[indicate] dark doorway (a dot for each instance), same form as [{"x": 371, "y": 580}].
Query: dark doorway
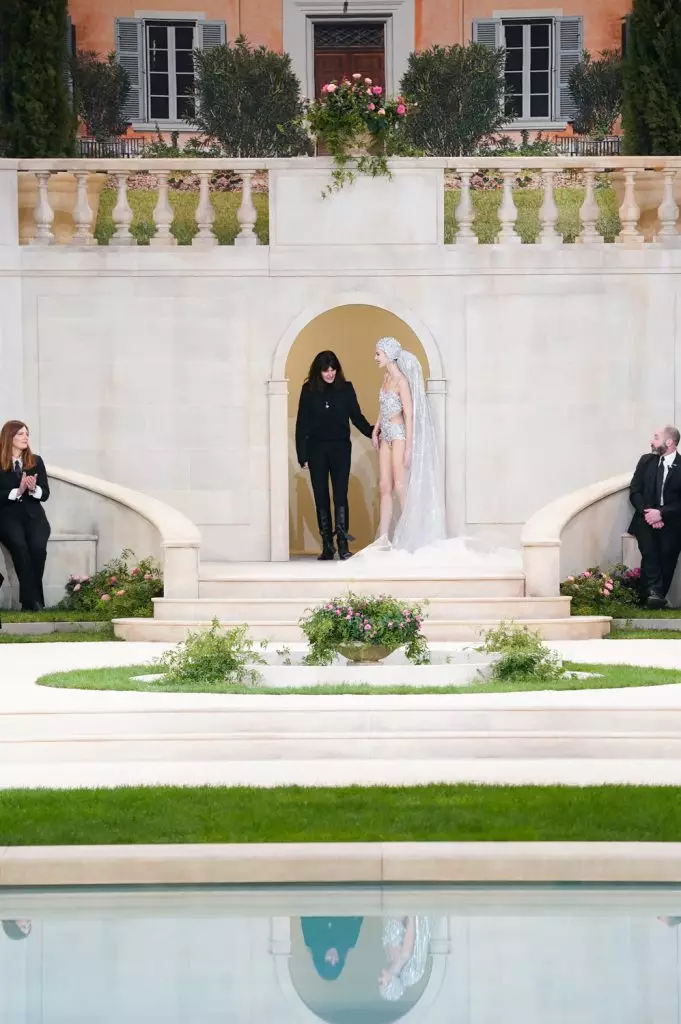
[{"x": 342, "y": 49}]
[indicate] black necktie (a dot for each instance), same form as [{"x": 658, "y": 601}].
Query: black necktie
[
  {"x": 659, "y": 482},
  {"x": 17, "y": 468}
]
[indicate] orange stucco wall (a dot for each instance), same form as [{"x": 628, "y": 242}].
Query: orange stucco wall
[{"x": 436, "y": 21}]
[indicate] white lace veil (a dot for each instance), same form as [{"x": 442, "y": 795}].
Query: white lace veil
[{"x": 423, "y": 518}]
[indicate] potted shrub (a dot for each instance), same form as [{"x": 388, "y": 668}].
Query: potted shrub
[
  {"x": 354, "y": 120},
  {"x": 364, "y": 628}
]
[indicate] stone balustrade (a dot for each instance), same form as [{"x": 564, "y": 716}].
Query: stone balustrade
[{"x": 648, "y": 191}]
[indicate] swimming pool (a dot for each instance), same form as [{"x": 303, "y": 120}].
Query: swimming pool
[{"x": 344, "y": 955}]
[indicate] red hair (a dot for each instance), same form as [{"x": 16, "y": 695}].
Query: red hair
[{"x": 7, "y": 435}]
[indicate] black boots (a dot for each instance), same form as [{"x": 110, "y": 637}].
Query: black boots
[
  {"x": 342, "y": 535},
  {"x": 328, "y": 553}
]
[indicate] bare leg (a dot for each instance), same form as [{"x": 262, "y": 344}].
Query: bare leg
[
  {"x": 399, "y": 473},
  {"x": 386, "y": 488}
]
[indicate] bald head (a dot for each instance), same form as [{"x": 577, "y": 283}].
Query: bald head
[{"x": 665, "y": 440}]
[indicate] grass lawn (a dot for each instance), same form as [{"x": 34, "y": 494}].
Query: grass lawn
[
  {"x": 613, "y": 677},
  {"x": 51, "y": 615},
  {"x": 80, "y": 637},
  {"x": 464, "y": 813},
  {"x": 486, "y": 205},
  {"x": 644, "y": 634}
]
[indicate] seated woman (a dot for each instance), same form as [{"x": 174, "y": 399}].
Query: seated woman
[{"x": 24, "y": 529}]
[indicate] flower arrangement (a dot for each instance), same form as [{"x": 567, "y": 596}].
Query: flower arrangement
[
  {"x": 356, "y": 621},
  {"x": 123, "y": 588},
  {"x": 595, "y": 592},
  {"x": 354, "y": 118}
]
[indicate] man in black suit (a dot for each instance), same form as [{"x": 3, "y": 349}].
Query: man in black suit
[{"x": 655, "y": 493}]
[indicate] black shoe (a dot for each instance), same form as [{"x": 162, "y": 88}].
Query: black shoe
[
  {"x": 656, "y": 601},
  {"x": 342, "y": 535},
  {"x": 328, "y": 554},
  {"x": 34, "y": 606}
]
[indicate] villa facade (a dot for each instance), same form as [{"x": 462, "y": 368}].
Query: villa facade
[{"x": 329, "y": 38}]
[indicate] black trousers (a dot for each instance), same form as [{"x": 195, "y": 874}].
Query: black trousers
[
  {"x": 659, "y": 554},
  {"x": 330, "y": 459},
  {"x": 25, "y": 537}
]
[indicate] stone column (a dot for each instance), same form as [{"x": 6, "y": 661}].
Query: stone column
[
  {"x": 436, "y": 389},
  {"x": 277, "y": 392}
]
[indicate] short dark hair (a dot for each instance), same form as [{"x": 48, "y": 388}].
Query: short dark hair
[
  {"x": 672, "y": 434},
  {"x": 326, "y": 360}
]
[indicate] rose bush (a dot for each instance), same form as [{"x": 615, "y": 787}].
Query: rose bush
[
  {"x": 595, "y": 592},
  {"x": 123, "y": 588}
]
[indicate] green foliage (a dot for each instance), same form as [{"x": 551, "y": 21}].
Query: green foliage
[
  {"x": 596, "y": 87},
  {"x": 122, "y": 589},
  {"x": 354, "y": 118},
  {"x": 652, "y": 79},
  {"x": 355, "y": 618},
  {"x": 101, "y": 89},
  {"x": 504, "y": 145},
  {"x": 523, "y": 654},
  {"x": 457, "y": 92},
  {"x": 248, "y": 101},
  {"x": 213, "y": 656},
  {"x": 36, "y": 119},
  {"x": 594, "y": 592}
]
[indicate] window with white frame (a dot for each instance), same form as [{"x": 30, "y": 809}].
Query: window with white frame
[
  {"x": 540, "y": 54},
  {"x": 159, "y": 58}
]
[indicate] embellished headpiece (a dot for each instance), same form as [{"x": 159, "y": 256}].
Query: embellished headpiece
[{"x": 391, "y": 347}]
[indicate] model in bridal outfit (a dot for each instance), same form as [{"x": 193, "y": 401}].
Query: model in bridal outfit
[{"x": 412, "y": 527}]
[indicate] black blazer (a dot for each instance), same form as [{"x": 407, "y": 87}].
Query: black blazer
[
  {"x": 28, "y": 505},
  {"x": 325, "y": 416},
  {"x": 642, "y": 490}
]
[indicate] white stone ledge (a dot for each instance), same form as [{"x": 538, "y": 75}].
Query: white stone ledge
[{"x": 333, "y": 863}]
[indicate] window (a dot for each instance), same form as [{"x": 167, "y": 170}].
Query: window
[
  {"x": 170, "y": 63},
  {"x": 159, "y": 59},
  {"x": 540, "y": 54}
]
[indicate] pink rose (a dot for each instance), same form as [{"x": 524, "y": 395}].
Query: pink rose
[
  {"x": 372, "y": 106},
  {"x": 381, "y": 113},
  {"x": 105, "y": 597},
  {"x": 401, "y": 110},
  {"x": 367, "y": 81},
  {"x": 586, "y": 575},
  {"x": 77, "y": 587},
  {"x": 338, "y": 611},
  {"x": 605, "y": 593},
  {"x": 85, "y": 579},
  {"x": 148, "y": 576},
  {"x": 331, "y": 87},
  {"x": 113, "y": 579},
  {"x": 134, "y": 571},
  {"x": 367, "y": 627},
  {"x": 571, "y": 579},
  {"x": 609, "y": 585},
  {"x": 356, "y": 75},
  {"x": 120, "y": 593},
  {"x": 377, "y": 90}
]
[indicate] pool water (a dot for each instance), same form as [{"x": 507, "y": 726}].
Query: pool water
[{"x": 344, "y": 955}]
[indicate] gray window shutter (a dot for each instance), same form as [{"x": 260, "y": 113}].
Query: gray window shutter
[
  {"x": 130, "y": 55},
  {"x": 488, "y": 32},
  {"x": 569, "y": 45},
  {"x": 211, "y": 33}
]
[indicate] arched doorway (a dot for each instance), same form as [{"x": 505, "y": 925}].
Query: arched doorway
[
  {"x": 363, "y": 318},
  {"x": 351, "y": 332}
]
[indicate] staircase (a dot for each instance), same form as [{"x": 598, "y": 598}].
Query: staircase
[{"x": 271, "y": 597}]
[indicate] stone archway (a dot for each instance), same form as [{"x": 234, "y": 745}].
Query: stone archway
[{"x": 278, "y": 400}]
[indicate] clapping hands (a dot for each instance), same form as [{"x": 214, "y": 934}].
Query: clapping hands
[{"x": 28, "y": 483}]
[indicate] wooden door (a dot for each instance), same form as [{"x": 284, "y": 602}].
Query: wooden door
[{"x": 333, "y": 65}]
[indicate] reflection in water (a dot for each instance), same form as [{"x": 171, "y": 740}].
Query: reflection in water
[{"x": 571, "y": 955}]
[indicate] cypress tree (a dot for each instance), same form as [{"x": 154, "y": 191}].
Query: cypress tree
[
  {"x": 652, "y": 79},
  {"x": 36, "y": 119}
]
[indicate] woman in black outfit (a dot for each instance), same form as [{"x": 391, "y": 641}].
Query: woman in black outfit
[
  {"x": 327, "y": 403},
  {"x": 24, "y": 529}
]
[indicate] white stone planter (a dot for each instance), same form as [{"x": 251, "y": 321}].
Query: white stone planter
[{"x": 407, "y": 209}]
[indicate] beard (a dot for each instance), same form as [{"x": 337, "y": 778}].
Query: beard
[{"x": 658, "y": 449}]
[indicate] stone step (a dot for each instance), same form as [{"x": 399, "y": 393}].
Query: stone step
[
  {"x": 329, "y": 584},
  {"x": 269, "y": 609},
  {"x": 576, "y": 627}
]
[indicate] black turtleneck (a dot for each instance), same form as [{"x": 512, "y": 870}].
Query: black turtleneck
[{"x": 324, "y": 416}]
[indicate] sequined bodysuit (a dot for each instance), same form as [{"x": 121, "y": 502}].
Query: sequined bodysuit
[{"x": 390, "y": 404}]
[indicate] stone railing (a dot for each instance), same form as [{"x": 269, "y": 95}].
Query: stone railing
[{"x": 648, "y": 196}]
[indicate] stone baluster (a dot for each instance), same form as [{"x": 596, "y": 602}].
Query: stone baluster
[
  {"x": 630, "y": 236},
  {"x": 589, "y": 212},
  {"x": 508, "y": 212},
  {"x": 247, "y": 214},
  {"x": 464, "y": 212},
  {"x": 82, "y": 212},
  {"x": 122, "y": 214},
  {"x": 668, "y": 212},
  {"x": 163, "y": 214},
  {"x": 205, "y": 214},
  {"x": 548, "y": 214},
  {"x": 44, "y": 214}
]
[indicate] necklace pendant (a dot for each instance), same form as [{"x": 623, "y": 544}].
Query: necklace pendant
[{"x": 326, "y": 405}]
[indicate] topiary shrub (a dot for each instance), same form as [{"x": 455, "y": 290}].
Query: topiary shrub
[
  {"x": 652, "y": 79},
  {"x": 248, "y": 100},
  {"x": 101, "y": 88},
  {"x": 457, "y": 93},
  {"x": 596, "y": 87},
  {"x": 36, "y": 119}
]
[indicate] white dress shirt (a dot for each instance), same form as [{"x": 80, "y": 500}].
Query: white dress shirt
[
  {"x": 667, "y": 461},
  {"x": 14, "y": 493}
]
